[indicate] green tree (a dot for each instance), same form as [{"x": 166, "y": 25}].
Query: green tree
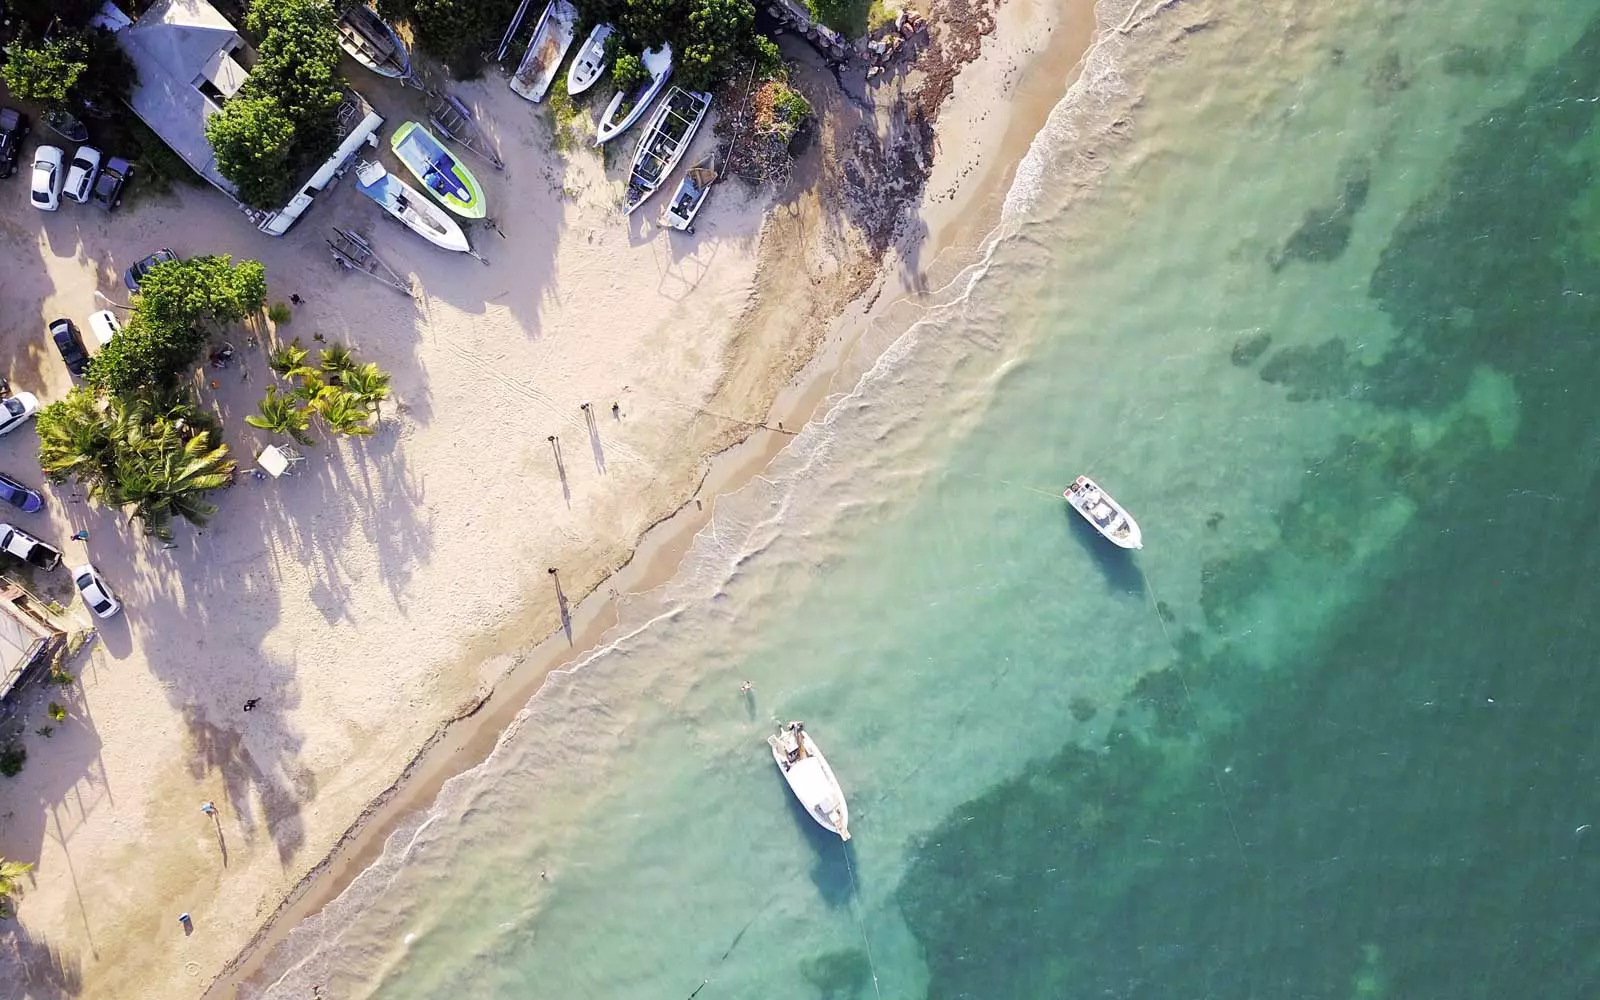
[
  {"x": 628, "y": 72},
  {"x": 718, "y": 35},
  {"x": 75, "y": 439},
  {"x": 298, "y": 65},
  {"x": 170, "y": 479},
  {"x": 337, "y": 360},
  {"x": 342, "y": 412},
  {"x": 287, "y": 360},
  {"x": 45, "y": 71},
  {"x": 178, "y": 306},
  {"x": 252, "y": 139},
  {"x": 11, "y": 873},
  {"x": 459, "y": 32},
  {"x": 282, "y": 415}
]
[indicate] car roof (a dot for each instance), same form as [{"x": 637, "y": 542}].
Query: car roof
[{"x": 10, "y": 118}]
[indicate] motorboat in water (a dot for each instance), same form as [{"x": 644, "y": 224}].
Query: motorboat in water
[
  {"x": 411, "y": 207},
  {"x": 810, "y": 778},
  {"x": 551, "y": 39},
  {"x": 371, "y": 42},
  {"x": 589, "y": 65},
  {"x": 691, "y": 193},
  {"x": 1108, "y": 517},
  {"x": 672, "y": 128},
  {"x": 444, "y": 176},
  {"x": 626, "y": 106}
]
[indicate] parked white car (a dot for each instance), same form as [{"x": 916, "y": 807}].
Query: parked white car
[
  {"x": 104, "y": 326},
  {"x": 80, "y": 176},
  {"x": 15, "y": 411},
  {"x": 95, "y": 592},
  {"x": 47, "y": 178}
]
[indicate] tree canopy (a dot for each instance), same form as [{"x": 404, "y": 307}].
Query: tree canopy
[
  {"x": 45, "y": 71},
  {"x": 78, "y": 65},
  {"x": 178, "y": 304},
  {"x": 285, "y": 117}
]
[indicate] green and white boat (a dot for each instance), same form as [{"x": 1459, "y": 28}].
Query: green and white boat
[{"x": 443, "y": 176}]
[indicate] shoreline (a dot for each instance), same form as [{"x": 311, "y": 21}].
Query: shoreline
[{"x": 467, "y": 739}]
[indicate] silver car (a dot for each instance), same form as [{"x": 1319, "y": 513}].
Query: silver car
[{"x": 95, "y": 592}]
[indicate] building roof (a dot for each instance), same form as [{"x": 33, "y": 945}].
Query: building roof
[
  {"x": 24, "y": 638},
  {"x": 178, "y": 46}
]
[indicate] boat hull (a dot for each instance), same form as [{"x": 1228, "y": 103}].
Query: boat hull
[
  {"x": 659, "y": 63},
  {"x": 442, "y": 175},
  {"x": 811, "y": 780},
  {"x": 1107, "y": 516},
  {"x": 551, "y": 39},
  {"x": 690, "y": 195},
  {"x": 370, "y": 41},
  {"x": 589, "y": 65},
  {"x": 411, "y": 207},
  {"x": 664, "y": 143}
]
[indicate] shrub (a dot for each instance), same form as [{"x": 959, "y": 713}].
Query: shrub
[
  {"x": 56, "y": 711},
  {"x": 279, "y": 313},
  {"x": 12, "y": 756}
]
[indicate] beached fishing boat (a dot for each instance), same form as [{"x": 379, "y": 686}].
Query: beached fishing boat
[
  {"x": 589, "y": 65},
  {"x": 626, "y": 107},
  {"x": 672, "y": 128},
  {"x": 810, "y": 778},
  {"x": 372, "y": 43},
  {"x": 1107, "y": 516},
  {"x": 441, "y": 174},
  {"x": 691, "y": 193},
  {"x": 66, "y": 126},
  {"x": 551, "y": 38},
  {"x": 407, "y": 204}
]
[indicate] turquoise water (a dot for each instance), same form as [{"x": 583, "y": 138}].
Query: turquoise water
[{"x": 1321, "y": 309}]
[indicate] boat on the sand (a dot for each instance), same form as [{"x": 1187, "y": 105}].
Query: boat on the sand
[
  {"x": 589, "y": 65},
  {"x": 691, "y": 193},
  {"x": 551, "y": 38},
  {"x": 672, "y": 128},
  {"x": 373, "y": 43},
  {"x": 411, "y": 207},
  {"x": 444, "y": 176},
  {"x": 626, "y": 106},
  {"x": 1108, "y": 517},
  {"x": 65, "y": 125},
  {"x": 810, "y": 778}
]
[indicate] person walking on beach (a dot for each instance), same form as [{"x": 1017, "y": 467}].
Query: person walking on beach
[
  {"x": 209, "y": 808},
  {"x": 252, "y": 703}
]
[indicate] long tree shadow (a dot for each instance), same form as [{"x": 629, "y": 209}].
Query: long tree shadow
[{"x": 33, "y": 968}]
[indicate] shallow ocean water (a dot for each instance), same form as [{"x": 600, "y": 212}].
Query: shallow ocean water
[{"x": 1321, "y": 316}]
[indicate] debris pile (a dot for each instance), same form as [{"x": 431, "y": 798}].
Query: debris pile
[
  {"x": 880, "y": 52},
  {"x": 759, "y": 130}
]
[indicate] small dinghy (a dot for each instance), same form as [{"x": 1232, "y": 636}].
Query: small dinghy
[
  {"x": 551, "y": 38},
  {"x": 407, "y": 204},
  {"x": 810, "y": 778},
  {"x": 372, "y": 43},
  {"x": 589, "y": 65},
  {"x": 66, "y": 126},
  {"x": 444, "y": 176},
  {"x": 691, "y": 194},
  {"x": 671, "y": 130},
  {"x": 1107, "y": 516},
  {"x": 625, "y": 108}
]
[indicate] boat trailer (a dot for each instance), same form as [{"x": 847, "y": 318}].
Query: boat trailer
[{"x": 353, "y": 253}]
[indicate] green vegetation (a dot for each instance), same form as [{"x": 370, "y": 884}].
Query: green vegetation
[
  {"x": 12, "y": 756},
  {"x": 566, "y": 128},
  {"x": 56, "y": 711},
  {"x": 789, "y": 110},
  {"x": 849, "y": 18},
  {"x": 11, "y": 873},
  {"x": 52, "y": 55},
  {"x": 284, "y": 119},
  {"x": 178, "y": 305},
  {"x": 460, "y": 32},
  {"x": 153, "y": 452},
  {"x": 340, "y": 392},
  {"x": 279, "y": 313}
]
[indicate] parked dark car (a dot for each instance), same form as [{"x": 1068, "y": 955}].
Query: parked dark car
[
  {"x": 136, "y": 273},
  {"x": 70, "y": 343},
  {"x": 13, "y": 129},
  {"x": 19, "y": 496},
  {"x": 16, "y": 542},
  {"x": 114, "y": 176}
]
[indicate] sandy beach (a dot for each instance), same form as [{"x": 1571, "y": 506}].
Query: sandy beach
[{"x": 399, "y": 582}]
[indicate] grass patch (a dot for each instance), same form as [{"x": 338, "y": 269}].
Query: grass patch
[
  {"x": 279, "y": 313},
  {"x": 565, "y": 119},
  {"x": 847, "y": 17},
  {"x": 880, "y": 15}
]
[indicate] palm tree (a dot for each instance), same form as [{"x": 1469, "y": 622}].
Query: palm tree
[
  {"x": 342, "y": 412},
  {"x": 309, "y": 385},
  {"x": 11, "y": 873},
  {"x": 288, "y": 359},
  {"x": 171, "y": 479},
  {"x": 282, "y": 415},
  {"x": 368, "y": 383},
  {"x": 75, "y": 439},
  {"x": 337, "y": 360}
]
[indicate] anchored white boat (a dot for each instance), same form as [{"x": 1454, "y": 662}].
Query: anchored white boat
[
  {"x": 551, "y": 38},
  {"x": 672, "y": 128},
  {"x": 810, "y": 778},
  {"x": 691, "y": 193},
  {"x": 589, "y": 65},
  {"x": 411, "y": 207},
  {"x": 1107, "y": 516},
  {"x": 626, "y": 106}
]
